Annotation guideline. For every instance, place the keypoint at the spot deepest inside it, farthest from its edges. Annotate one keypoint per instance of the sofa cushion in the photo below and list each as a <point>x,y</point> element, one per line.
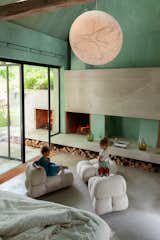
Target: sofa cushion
<point>36,191</point>
<point>38,184</point>
<point>53,182</point>
<point>89,168</point>
<point>36,176</point>
<point>104,187</point>
<point>66,178</point>
<point>108,193</point>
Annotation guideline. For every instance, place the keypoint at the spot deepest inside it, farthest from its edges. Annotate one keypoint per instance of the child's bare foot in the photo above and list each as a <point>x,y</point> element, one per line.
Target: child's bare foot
<point>63,167</point>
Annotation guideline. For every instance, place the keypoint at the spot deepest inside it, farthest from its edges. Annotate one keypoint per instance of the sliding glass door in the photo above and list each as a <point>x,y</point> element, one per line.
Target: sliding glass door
<point>29,109</point>
<point>41,97</point>
<point>54,101</point>
<point>14,95</point>
<point>4,146</point>
<point>10,111</point>
<point>36,108</point>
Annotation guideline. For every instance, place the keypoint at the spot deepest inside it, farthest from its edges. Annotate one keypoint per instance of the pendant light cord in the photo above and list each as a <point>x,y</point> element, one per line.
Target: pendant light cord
<point>96,7</point>
<point>96,4</point>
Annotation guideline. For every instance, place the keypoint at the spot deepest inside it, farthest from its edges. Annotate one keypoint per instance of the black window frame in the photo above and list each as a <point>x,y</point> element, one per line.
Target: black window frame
<point>22,102</point>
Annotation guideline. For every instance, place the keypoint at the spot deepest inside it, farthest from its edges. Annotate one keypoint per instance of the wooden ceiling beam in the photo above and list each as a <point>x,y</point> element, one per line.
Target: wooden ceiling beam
<point>30,7</point>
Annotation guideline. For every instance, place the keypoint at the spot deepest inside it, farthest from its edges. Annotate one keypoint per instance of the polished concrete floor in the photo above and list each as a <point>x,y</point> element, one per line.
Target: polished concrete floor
<point>8,164</point>
<point>141,221</point>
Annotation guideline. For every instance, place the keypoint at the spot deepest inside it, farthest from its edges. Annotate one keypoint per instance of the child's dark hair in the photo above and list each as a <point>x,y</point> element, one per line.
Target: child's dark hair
<point>104,141</point>
<point>45,149</point>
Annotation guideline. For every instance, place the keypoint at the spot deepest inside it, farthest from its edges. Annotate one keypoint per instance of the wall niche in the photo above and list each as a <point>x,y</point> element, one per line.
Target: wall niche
<point>133,128</point>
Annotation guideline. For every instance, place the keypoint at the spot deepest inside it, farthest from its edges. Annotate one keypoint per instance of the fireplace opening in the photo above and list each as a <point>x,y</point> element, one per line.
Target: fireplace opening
<point>77,123</point>
<point>42,119</point>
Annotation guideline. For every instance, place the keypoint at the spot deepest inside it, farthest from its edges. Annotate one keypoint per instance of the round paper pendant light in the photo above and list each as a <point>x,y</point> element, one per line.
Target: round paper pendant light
<point>96,37</point>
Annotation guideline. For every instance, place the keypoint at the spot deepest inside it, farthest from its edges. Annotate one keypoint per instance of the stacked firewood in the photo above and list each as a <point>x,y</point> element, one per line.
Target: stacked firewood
<point>127,162</point>
<point>34,143</point>
<point>86,154</point>
<point>63,149</point>
<point>74,151</point>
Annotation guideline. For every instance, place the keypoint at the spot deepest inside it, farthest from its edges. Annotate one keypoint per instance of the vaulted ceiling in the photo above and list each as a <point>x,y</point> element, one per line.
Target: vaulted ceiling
<point>138,17</point>
<point>4,2</point>
<point>56,23</point>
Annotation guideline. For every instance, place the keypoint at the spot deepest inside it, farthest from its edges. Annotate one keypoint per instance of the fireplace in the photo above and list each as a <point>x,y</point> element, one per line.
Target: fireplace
<point>77,123</point>
<point>42,119</point>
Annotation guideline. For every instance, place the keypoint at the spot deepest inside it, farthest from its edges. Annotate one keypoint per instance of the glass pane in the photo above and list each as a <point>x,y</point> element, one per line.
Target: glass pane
<point>14,110</point>
<point>54,104</point>
<point>36,107</point>
<point>3,113</point>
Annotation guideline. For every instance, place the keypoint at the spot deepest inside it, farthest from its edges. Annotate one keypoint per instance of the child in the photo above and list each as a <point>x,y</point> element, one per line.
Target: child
<point>51,168</point>
<point>103,158</point>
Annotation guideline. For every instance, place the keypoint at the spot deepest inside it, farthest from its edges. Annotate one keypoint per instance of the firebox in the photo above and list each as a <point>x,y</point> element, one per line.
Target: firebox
<point>42,119</point>
<point>77,123</point>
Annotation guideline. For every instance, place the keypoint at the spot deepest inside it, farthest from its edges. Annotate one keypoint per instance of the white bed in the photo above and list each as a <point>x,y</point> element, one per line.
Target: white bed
<point>22,218</point>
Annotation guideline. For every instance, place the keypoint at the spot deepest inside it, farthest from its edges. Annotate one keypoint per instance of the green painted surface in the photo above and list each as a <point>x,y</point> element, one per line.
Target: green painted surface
<point>140,24</point>
<point>22,40</point>
<point>56,23</point>
<point>133,128</point>
<point>139,20</point>
<point>148,129</point>
<point>25,44</point>
<point>97,123</point>
<point>123,127</point>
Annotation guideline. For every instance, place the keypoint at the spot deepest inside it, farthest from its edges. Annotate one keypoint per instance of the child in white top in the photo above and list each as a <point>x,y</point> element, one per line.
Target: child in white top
<point>103,169</point>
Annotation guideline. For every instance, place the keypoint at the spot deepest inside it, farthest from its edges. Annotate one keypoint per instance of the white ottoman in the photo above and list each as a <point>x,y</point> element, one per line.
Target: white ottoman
<point>108,194</point>
<point>89,168</point>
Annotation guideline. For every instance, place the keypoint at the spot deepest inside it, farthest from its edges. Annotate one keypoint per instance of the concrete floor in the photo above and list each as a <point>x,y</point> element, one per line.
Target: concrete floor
<point>140,222</point>
<point>8,164</point>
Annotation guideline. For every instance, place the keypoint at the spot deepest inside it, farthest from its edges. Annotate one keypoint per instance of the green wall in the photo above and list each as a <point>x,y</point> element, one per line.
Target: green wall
<point>123,127</point>
<point>149,131</point>
<point>133,128</point>
<point>55,23</point>
<point>140,23</point>
<point>20,43</point>
<point>139,20</point>
<point>97,123</point>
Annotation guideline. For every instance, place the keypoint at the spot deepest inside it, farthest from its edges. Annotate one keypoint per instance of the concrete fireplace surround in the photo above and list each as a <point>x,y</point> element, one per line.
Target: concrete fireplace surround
<point>97,123</point>
<point>132,92</point>
<point>128,93</point>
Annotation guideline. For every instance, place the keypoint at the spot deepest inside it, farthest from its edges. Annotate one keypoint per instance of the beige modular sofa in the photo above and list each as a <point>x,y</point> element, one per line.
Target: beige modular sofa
<point>38,184</point>
<point>89,168</point>
<point>108,194</point>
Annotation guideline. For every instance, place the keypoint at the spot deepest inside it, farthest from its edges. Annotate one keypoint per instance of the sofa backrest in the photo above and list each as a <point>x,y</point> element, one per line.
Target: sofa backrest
<point>35,176</point>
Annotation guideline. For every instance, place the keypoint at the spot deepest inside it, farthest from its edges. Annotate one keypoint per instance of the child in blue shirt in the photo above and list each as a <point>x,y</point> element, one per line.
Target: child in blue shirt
<point>51,168</point>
